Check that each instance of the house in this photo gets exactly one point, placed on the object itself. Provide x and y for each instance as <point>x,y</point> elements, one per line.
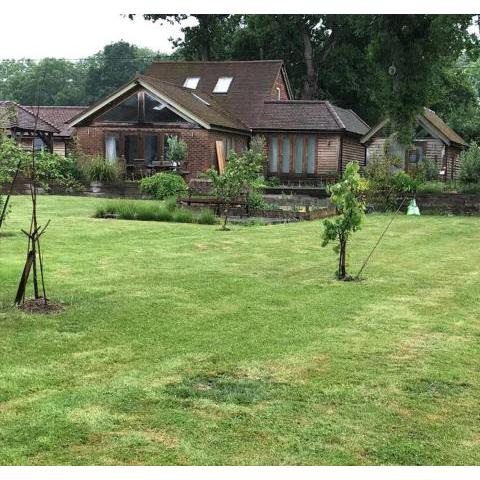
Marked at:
<point>434,140</point>
<point>25,126</point>
<point>53,131</point>
<point>208,104</point>
<point>63,140</point>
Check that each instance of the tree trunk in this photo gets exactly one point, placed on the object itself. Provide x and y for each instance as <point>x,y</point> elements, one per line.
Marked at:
<point>225,219</point>
<point>342,273</point>
<point>204,23</point>
<point>309,84</point>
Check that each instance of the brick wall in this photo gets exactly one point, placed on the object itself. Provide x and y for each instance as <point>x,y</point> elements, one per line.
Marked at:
<point>280,84</point>
<point>201,152</point>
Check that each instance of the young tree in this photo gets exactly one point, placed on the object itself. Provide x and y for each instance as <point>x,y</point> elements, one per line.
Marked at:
<point>176,151</point>
<point>346,196</point>
<point>242,175</point>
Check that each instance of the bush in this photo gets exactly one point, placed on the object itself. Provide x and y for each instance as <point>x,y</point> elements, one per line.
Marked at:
<point>99,170</point>
<point>470,165</point>
<point>470,188</point>
<point>170,204</point>
<point>256,201</point>
<point>206,217</point>
<point>183,216</point>
<point>163,185</point>
<point>62,171</point>
<point>386,182</point>
<point>432,187</point>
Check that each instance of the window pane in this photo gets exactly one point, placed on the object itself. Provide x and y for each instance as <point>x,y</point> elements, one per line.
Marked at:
<point>299,154</point>
<point>39,144</point>
<point>286,155</point>
<point>311,155</point>
<point>127,111</point>
<point>151,148</point>
<point>131,148</point>
<point>158,112</point>
<point>223,84</point>
<point>273,154</point>
<point>111,147</point>
<point>191,82</point>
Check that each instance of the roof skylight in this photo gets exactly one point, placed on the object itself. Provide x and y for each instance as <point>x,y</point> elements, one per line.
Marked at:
<point>191,82</point>
<point>223,84</point>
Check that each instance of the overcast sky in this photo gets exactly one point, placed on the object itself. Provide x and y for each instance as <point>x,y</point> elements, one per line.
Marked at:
<point>79,35</point>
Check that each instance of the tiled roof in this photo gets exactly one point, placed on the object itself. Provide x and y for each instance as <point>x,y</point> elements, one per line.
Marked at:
<point>352,122</point>
<point>309,115</point>
<point>252,82</point>
<point>442,127</point>
<point>24,118</point>
<point>428,116</point>
<point>59,116</point>
<point>200,104</point>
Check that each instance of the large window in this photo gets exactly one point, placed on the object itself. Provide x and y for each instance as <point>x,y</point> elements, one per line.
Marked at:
<point>126,111</point>
<point>111,147</point>
<point>150,148</point>
<point>158,112</point>
<point>286,154</point>
<point>131,148</point>
<point>299,155</point>
<point>311,147</point>
<point>293,154</point>
<point>273,154</point>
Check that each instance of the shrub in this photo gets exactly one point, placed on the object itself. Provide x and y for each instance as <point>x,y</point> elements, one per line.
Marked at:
<point>55,169</point>
<point>470,165</point>
<point>99,170</point>
<point>386,182</point>
<point>183,216</point>
<point>170,204</point>
<point>432,187</point>
<point>163,185</point>
<point>256,201</point>
<point>470,188</point>
<point>206,217</point>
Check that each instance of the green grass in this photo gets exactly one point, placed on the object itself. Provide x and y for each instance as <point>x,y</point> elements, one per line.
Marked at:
<point>181,344</point>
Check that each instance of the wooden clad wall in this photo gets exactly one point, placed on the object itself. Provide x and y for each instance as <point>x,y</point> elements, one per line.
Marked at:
<point>352,151</point>
<point>328,151</point>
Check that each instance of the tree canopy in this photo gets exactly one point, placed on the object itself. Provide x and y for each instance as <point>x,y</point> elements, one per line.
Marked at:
<point>378,65</point>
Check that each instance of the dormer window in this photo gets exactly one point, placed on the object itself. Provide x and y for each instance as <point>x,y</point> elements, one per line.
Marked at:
<point>223,84</point>
<point>191,82</point>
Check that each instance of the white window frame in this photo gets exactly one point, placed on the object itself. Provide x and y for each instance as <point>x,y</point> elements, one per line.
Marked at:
<point>222,85</point>
<point>191,82</point>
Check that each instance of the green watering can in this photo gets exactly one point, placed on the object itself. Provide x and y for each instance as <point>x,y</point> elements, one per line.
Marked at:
<point>412,208</point>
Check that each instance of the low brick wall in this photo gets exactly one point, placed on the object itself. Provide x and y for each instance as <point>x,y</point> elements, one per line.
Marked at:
<point>107,190</point>
<point>449,203</point>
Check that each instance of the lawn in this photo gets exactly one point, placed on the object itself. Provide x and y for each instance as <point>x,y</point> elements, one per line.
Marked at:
<point>184,345</point>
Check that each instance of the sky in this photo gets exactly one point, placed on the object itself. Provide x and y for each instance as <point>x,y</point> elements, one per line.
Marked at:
<point>66,37</point>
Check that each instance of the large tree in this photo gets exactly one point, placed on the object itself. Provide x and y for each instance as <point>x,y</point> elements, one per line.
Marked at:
<point>408,53</point>
<point>114,65</point>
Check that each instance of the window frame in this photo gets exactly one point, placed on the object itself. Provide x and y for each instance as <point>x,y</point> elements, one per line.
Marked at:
<point>216,88</point>
<point>195,79</point>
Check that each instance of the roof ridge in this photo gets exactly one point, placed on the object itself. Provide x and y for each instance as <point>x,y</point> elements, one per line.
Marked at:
<point>359,117</point>
<point>336,116</point>
<point>295,101</point>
